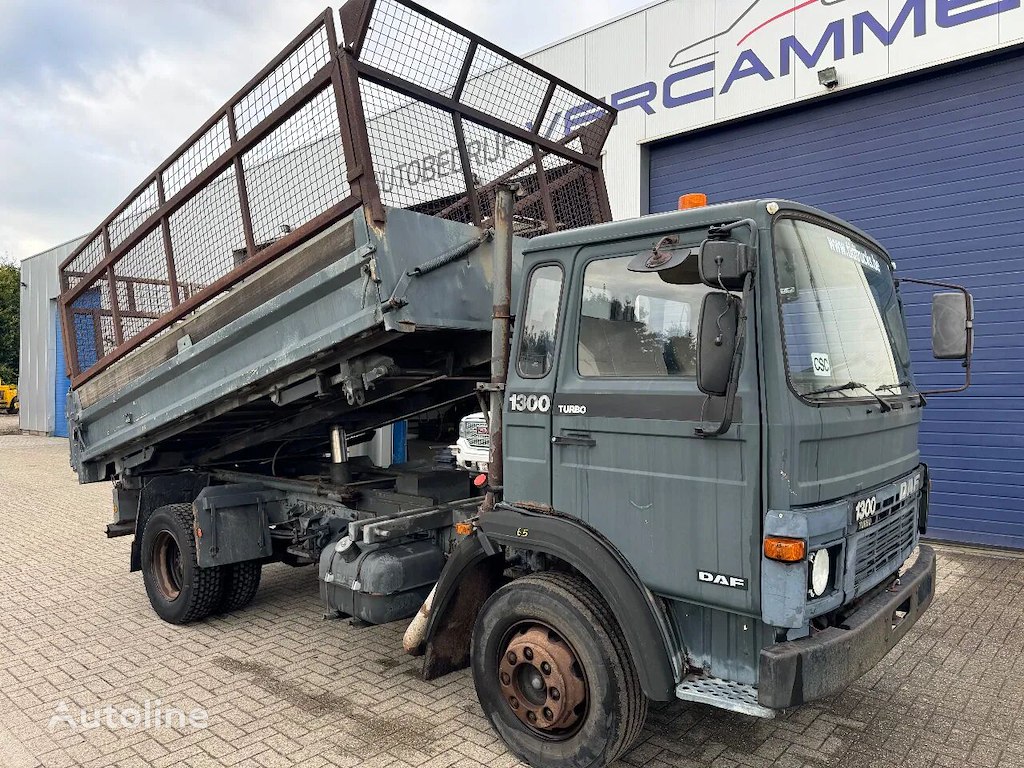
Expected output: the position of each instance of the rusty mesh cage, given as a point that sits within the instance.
(412, 112)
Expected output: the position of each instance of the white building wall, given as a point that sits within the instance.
(37, 377)
(679, 65)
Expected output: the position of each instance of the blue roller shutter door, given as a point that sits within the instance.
(62, 385)
(934, 168)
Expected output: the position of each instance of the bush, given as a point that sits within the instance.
(10, 303)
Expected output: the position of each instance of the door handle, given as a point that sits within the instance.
(582, 440)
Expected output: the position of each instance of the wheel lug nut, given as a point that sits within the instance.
(545, 668)
(514, 702)
(505, 679)
(555, 695)
(511, 657)
(548, 714)
(528, 653)
(531, 717)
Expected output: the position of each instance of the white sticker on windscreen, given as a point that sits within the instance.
(850, 250)
(820, 364)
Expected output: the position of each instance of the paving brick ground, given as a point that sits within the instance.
(281, 687)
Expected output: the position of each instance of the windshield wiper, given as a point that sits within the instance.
(884, 407)
(901, 385)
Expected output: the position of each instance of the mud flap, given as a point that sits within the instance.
(471, 575)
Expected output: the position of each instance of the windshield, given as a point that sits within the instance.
(841, 316)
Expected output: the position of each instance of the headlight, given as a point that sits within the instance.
(821, 570)
(463, 428)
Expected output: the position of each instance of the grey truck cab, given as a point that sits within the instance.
(702, 473)
(710, 422)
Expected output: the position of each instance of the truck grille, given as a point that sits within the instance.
(477, 436)
(880, 549)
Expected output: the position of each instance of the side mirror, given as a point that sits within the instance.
(716, 341)
(723, 264)
(952, 324)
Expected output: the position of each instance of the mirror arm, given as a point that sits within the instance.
(970, 335)
(734, 370)
(722, 231)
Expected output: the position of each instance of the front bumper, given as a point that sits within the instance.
(798, 671)
(470, 457)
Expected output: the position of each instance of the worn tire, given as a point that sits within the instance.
(239, 584)
(179, 590)
(616, 705)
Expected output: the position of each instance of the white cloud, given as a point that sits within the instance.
(87, 111)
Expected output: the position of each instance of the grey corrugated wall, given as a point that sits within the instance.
(39, 291)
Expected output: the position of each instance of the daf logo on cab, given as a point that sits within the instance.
(722, 580)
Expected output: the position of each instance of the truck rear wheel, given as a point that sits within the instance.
(179, 590)
(14, 407)
(239, 583)
(553, 675)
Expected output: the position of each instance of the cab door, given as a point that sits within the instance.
(531, 385)
(625, 457)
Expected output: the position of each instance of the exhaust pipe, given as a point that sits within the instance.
(501, 323)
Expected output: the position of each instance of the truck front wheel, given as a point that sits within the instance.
(553, 675)
(179, 590)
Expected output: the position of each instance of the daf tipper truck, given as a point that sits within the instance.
(703, 479)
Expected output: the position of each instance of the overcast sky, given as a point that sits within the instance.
(94, 94)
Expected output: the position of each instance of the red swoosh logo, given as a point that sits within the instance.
(777, 16)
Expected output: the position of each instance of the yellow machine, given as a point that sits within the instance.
(8, 398)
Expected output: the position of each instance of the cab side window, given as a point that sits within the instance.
(537, 342)
(637, 324)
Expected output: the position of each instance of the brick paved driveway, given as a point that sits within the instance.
(282, 687)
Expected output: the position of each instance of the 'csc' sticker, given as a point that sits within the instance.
(820, 364)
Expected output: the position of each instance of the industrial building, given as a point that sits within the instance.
(43, 381)
(900, 116)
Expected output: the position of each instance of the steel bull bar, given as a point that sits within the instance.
(798, 671)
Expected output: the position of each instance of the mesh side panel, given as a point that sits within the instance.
(573, 193)
(418, 49)
(298, 171)
(287, 78)
(528, 219)
(93, 337)
(503, 89)
(143, 290)
(132, 215)
(414, 151)
(493, 155)
(196, 158)
(91, 255)
(206, 233)
(569, 114)
(499, 159)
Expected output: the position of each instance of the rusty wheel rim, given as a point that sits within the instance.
(542, 681)
(168, 566)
